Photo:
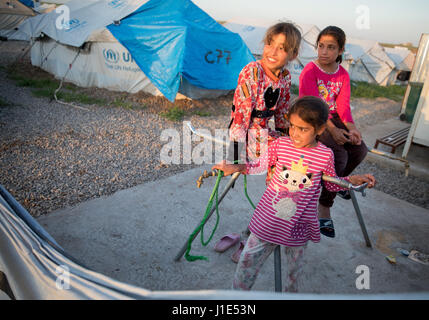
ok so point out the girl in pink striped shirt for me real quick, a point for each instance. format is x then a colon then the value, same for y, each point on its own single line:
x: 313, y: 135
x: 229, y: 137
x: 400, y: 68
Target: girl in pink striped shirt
x: 287, y: 212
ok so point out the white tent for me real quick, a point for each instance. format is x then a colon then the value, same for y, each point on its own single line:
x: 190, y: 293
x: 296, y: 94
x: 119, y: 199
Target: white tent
x: 12, y: 14
x: 404, y: 60
x: 253, y: 37
x: 91, y: 66
x: 154, y: 60
x: 367, y: 61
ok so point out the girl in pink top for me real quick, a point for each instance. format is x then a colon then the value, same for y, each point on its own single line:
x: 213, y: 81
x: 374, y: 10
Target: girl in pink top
x: 327, y: 79
x: 287, y: 212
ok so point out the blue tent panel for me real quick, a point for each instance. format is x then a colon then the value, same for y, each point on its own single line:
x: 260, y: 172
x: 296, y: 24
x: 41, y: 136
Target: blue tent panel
x: 28, y: 3
x: 173, y: 38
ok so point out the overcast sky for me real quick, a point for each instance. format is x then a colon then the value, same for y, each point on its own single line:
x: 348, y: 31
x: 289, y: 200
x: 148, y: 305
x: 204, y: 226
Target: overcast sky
x: 394, y: 21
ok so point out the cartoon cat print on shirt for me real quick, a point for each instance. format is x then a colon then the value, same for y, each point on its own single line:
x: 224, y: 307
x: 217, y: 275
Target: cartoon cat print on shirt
x: 292, y: 182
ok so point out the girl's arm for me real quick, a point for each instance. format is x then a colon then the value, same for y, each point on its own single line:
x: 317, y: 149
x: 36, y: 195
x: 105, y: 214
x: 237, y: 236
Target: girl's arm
x: 229, y: 168
x: 259, y: 166
x: 308, y: 83
x: 244, y: 103
x: 339, y: 135
x: 343, y: 100
x: 357, y: 179
x: 330, y: 171
x: 344, y: 111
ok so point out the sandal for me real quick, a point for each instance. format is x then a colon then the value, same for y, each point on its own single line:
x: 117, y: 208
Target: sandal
x: 236, y: 255
x: 327, y: 227
x: 227, y: 242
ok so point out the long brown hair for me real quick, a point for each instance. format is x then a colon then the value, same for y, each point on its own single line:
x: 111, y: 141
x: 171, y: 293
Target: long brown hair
x: 338, y: 34
x: 290, y: 31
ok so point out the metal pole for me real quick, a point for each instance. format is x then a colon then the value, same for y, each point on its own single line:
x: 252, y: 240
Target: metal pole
x: 277, y: 270
x: 352, y: 190
x: 360, y: 218
x: 225, y: 191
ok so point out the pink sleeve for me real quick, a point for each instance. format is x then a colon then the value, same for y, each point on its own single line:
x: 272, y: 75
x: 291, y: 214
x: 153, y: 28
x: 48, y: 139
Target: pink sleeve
x: 330, y: 171
x: 343, y: 101
x: 307, y: 82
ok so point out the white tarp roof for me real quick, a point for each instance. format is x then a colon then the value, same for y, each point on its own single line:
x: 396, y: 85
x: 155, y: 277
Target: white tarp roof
x: 366, y: 60
x: 366, y: 50
x: 85, y: 18
x: 403, y: 57
x: 253, y: 36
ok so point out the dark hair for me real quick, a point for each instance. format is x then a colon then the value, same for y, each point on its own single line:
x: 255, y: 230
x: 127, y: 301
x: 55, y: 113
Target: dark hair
x: 311, y: 109
x: 290, y: 31
x: 338, y: 34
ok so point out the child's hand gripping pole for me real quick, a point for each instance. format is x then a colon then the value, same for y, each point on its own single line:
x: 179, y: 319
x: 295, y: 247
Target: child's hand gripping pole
x: 352, y: 189
x: 345, y: 184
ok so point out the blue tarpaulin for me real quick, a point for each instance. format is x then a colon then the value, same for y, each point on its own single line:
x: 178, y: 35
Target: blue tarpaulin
x: 170, y: 39
x: 28, y: 3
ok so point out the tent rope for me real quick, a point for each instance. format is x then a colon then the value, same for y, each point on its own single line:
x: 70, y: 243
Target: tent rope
x: 49, y: 53
x: 61, y: 84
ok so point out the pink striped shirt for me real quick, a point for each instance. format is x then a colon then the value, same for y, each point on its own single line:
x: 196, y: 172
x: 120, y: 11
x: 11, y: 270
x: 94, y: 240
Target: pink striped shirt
x: 268, y: 221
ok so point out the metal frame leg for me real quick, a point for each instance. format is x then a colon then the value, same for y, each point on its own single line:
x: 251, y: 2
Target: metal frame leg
x: 360, y: 218
x: 277, y: 270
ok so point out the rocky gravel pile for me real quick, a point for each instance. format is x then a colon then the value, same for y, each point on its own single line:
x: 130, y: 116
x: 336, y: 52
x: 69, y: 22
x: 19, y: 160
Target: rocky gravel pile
x: 54, y: 155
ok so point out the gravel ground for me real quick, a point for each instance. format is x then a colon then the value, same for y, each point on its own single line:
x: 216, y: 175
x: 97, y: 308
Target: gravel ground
x: 54, y: 155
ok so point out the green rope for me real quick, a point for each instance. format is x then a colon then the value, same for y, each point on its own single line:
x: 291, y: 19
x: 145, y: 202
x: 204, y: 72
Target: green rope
x: 245, y: 192
x: 200, y: 227
x: 203, y: 221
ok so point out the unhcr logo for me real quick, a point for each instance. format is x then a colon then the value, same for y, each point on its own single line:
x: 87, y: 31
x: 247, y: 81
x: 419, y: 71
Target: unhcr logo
x: 110, y: 55
x: 71, y: 24
x: 116, y: 3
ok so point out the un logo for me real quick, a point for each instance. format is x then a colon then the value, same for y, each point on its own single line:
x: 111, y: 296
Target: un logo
x: 110, y: 55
